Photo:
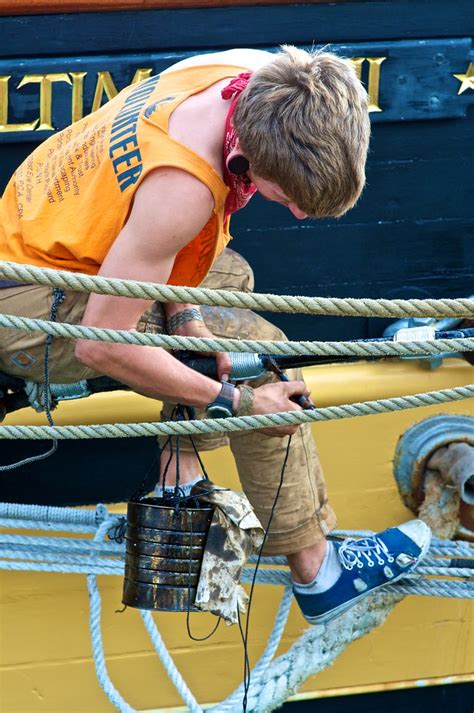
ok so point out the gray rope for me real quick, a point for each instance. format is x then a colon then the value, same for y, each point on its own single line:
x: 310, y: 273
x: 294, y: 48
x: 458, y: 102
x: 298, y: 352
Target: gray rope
x: 168, y: 663
x: 242, y: 423
x: 95, y: 556
x: 61, y: 567
x: 55, y: 519
x: 96, y: 636
x: 314, y: 651
x: 80, y: 282
x: 37, y: 525
x: 412, y: 582
x: 43, y: 562
x: 49, y: 544
x: 435, y: 588
x: 167, y: 341
x: 53, y: 554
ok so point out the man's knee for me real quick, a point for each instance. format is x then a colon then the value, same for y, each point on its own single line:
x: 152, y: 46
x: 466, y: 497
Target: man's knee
x: 230, y: 271
x: 23, y: 354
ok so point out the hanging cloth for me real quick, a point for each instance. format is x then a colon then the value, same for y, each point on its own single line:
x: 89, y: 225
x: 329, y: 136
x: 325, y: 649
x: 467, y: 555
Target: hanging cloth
x: 235, y: 533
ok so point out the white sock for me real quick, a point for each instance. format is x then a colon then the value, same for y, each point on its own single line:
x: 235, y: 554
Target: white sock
x: 327, y: 575
x: 185, y: 488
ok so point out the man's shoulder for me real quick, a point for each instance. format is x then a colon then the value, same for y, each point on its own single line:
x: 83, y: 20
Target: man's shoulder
x: 176, y: 197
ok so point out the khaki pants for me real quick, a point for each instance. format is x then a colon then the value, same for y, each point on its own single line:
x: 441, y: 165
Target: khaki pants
x: 302, y: 516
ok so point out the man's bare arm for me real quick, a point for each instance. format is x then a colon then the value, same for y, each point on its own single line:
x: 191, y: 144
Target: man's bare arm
x: 169, y: 210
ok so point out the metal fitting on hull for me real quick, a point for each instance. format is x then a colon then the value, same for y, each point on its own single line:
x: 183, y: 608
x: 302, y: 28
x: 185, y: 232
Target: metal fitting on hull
x: 434, y: 470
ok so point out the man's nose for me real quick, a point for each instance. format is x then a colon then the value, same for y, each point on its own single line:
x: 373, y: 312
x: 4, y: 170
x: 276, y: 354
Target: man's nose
x: 297, y: 212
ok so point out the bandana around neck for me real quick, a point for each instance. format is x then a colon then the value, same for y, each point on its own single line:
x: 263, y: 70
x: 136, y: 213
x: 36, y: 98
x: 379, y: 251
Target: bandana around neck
x: 241, y: 188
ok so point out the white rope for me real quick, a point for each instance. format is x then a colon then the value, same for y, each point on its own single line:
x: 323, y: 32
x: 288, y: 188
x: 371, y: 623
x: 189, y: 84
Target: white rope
x: 360, y: 349
x: 79, y: 282
x: 168, y: 663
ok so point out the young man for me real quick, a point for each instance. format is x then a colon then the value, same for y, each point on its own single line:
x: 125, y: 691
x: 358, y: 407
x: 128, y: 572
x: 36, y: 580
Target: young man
x: 143, y: 189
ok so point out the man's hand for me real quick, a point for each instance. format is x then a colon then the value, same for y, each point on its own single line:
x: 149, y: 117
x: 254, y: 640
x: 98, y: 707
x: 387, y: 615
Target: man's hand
x: 273, y: 398
x: 270, y: 398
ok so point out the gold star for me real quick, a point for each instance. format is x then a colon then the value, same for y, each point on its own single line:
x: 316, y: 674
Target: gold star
x: 467, y: 80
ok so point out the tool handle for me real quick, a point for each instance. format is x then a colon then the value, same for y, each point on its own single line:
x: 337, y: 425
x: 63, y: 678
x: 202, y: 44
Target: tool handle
x: 302, y: 401
x: 203, y: 364
x: 244, y: 366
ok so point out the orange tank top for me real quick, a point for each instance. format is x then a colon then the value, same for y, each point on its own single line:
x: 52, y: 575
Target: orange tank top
x: 66, y: 204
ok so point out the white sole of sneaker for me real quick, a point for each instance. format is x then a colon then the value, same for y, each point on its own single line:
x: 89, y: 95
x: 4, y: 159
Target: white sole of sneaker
x: 334, y: 613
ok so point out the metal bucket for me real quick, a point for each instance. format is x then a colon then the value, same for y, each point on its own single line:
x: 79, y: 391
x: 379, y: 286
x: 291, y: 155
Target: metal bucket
x: 164, y: 549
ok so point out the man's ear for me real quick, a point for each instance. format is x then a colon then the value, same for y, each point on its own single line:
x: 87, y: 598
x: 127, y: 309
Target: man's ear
x: 237, y: 164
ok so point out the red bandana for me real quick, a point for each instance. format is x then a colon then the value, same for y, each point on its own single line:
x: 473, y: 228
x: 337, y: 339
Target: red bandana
x: 241, y: 188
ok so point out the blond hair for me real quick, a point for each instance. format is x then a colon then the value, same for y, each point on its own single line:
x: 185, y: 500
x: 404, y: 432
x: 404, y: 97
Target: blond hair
x: 303, y: 124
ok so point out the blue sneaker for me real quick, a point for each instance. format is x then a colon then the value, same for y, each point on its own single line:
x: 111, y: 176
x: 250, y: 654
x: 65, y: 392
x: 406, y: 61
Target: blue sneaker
x: 368, y: 564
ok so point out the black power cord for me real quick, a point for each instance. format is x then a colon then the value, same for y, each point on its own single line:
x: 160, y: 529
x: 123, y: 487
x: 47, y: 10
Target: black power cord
x: 245, y: 633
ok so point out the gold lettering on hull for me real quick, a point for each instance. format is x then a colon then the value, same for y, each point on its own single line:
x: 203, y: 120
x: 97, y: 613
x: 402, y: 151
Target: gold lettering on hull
x: 4, y: 125
x: 105, y: 85
x: 373, y: 80
x: 373, y: 84
x: 105, y: 88
x: 141, y: 74
x: 46, y: 95
x: 77, y: 103
x: 357, y: 63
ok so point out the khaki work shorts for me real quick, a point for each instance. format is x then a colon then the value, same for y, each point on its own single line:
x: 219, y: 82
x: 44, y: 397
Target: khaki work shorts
x: 302, y: 516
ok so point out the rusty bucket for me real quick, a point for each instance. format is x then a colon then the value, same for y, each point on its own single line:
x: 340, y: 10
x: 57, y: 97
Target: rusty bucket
x: 164, y: 550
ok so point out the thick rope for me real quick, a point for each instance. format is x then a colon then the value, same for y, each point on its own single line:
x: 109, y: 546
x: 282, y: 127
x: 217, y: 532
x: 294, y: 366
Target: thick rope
x: 168, y: 663
x: 98, y: 556
x: 411, y: 584
x: 51, y: 544
x: 418, y: 584
x: 167, y: 341
x: 243, y: 423
x: 56, y: 555
x: 56, y: 518
x: 98, y: 650
x: 314, y: 651
x: 436, y: 588
x: 80, y: 282
x: 272, y: 680
x: 96, y: 636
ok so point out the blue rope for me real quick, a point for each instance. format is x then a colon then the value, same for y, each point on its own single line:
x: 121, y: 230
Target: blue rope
x: 96, y: 636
